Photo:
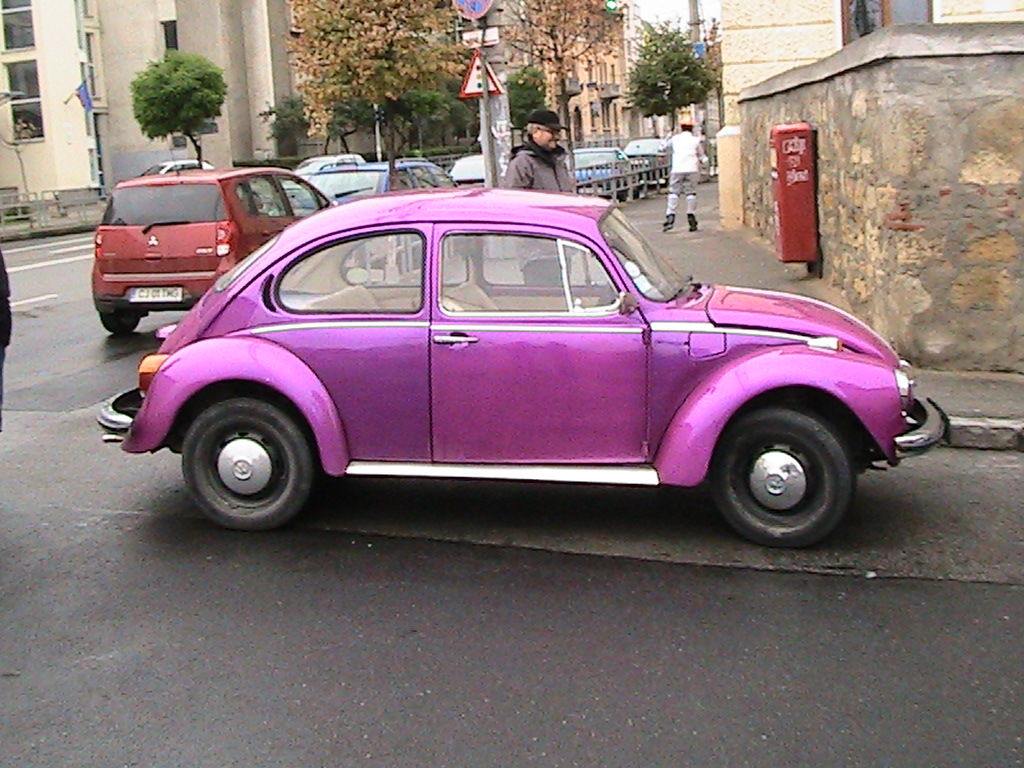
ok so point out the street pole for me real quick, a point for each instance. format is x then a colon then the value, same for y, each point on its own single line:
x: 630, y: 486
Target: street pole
x: 694, y: 21
x: 495, y: 128
x: 491, y: 177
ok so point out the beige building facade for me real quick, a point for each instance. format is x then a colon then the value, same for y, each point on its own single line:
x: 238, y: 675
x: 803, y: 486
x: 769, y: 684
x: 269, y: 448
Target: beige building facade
x: 763, y: 38
x: 49, y: 141
x: 47, y: 137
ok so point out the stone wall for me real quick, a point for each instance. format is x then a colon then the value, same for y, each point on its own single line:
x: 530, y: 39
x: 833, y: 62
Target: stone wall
x: 920, y: 133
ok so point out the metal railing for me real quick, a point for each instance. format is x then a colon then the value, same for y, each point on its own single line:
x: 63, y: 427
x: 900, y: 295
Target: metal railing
x: 634, y: 181
x: 27, y: 211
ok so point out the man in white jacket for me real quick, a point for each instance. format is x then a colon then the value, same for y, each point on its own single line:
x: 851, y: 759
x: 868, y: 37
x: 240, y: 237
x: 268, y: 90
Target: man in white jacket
x: 687, y: 155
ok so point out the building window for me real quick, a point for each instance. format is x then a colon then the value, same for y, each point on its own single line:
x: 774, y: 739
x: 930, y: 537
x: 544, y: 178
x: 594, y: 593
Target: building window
x: 89, y: 67
x: 862, y: 17
x: 18, y: 24
x: 170, y: 35
x: 26, y: 111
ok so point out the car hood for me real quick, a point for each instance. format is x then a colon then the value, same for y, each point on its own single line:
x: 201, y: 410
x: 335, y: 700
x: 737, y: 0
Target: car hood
x: 771, y: 310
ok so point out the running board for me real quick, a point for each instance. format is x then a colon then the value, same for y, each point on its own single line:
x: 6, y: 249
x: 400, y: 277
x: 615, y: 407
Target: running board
x: 637, y: 474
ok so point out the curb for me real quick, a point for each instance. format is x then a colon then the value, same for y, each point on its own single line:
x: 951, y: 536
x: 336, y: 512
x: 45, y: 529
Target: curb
x: 36, y: 234
x: 986, y: 434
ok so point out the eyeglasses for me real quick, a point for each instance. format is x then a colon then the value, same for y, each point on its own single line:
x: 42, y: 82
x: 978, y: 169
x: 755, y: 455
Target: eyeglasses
x: 552, y: 131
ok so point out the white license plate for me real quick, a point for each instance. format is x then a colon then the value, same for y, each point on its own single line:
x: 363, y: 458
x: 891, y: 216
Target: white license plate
x: 155, y: 294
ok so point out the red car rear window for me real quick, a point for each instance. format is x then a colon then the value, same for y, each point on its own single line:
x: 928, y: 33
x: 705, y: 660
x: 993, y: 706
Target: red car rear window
x: 164, y: 204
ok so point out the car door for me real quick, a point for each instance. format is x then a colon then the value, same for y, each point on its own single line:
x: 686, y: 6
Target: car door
x: 265, y: 209
x: 352, y: 309
x: 531, y: 361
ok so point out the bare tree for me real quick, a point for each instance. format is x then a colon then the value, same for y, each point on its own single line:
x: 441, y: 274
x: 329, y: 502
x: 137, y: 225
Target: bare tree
x: 558, y: 35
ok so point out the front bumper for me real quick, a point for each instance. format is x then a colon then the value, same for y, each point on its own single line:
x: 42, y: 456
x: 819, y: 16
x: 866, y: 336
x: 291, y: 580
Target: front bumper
x: 928, y: 425
x: 117, y: 414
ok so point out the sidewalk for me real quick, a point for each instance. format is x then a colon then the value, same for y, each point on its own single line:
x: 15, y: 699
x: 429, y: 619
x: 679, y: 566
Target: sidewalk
x: 986, y: 410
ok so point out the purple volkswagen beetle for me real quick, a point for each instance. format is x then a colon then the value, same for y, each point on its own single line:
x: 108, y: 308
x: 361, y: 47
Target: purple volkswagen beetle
x: 500, y: 334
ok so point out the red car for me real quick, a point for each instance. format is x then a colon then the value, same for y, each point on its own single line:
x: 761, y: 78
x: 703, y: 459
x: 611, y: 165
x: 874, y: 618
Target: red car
x: 164, y: 240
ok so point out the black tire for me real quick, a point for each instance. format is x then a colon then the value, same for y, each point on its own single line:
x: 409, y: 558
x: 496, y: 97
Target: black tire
x: 120, y: 322
x: 757, y: 487
x: 257, y: 442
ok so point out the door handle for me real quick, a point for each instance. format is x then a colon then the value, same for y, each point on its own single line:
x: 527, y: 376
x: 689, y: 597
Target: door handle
x: 456, y: 338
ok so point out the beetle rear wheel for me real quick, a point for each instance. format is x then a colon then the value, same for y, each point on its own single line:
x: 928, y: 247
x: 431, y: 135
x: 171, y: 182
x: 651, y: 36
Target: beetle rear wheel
x: 782, y: 478
x: 248, y: 464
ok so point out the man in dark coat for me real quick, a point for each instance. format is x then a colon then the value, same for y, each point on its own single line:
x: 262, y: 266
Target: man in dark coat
x: 540, y: 162
x: 5, y: 326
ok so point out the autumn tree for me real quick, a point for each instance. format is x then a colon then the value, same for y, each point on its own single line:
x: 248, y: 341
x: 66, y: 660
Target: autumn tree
x: 372, y: 52
x: 181, y: 93
x: 527, y: 91
x: 668, y: 75
x: 557, y: 35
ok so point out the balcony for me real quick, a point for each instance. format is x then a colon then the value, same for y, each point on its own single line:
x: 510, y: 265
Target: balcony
x: 609, y: 90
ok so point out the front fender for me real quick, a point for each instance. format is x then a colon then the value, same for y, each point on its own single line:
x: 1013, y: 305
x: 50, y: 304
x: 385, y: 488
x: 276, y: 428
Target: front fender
x: 865, y: 384
x: 243, y: 358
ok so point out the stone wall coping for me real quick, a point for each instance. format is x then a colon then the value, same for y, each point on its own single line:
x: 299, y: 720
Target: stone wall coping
x: 905, y: 41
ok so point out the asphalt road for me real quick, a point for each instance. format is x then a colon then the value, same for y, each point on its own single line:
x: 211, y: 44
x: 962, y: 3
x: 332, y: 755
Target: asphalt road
x: 445, y: 624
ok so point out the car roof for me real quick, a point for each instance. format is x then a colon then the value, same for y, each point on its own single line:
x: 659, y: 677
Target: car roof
x: 584, y: 150
x: 459, y: 204
x: 374, y: 166
x: 202, y: 176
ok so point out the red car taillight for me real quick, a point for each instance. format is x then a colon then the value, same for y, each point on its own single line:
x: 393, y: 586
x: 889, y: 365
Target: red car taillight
x: 227, y: 238
x: 98, y: 245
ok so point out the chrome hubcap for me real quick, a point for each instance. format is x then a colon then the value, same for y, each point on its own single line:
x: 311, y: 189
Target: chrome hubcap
x: 244, y: 466
x: 778, y: 480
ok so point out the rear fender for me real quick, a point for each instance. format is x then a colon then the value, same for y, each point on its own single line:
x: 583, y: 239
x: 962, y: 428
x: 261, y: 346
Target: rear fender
x: 866, y: 385
x: 192, y: 369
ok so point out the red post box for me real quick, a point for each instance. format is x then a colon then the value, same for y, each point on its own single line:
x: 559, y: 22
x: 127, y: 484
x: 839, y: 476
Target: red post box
x: 794, y: 178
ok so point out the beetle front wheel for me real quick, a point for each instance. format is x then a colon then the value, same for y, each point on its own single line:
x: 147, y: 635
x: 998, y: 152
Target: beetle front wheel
x: 782, y: 478
x: 248, y: 464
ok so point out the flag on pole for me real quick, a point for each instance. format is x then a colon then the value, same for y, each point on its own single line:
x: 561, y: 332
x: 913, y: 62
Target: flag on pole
x: 82, y: 92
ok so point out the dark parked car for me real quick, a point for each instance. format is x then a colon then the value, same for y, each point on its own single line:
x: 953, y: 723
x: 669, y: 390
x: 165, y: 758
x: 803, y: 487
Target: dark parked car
x: 341, y: 183
x: 165, y: 238
x: 648, y: 147
x: 515, y: 335
x: 647, y: 155
x: 612, y: 169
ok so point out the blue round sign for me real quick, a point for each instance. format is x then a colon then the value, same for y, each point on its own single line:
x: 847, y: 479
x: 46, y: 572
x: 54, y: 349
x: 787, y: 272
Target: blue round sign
x: 473, y: 9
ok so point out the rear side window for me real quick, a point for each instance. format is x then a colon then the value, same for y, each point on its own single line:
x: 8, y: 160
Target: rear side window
x: 164, y: 204
x: 261, y: 198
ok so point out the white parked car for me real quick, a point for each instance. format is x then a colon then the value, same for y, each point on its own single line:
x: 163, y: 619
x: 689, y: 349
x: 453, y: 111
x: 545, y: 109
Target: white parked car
x: 468, y: 170
x: 318, y: 163
x: 176, y: 166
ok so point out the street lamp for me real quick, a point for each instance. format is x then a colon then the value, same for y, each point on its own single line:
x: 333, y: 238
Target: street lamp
x: 6, y: 96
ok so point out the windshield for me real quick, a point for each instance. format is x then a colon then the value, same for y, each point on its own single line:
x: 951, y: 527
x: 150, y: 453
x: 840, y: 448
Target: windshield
x: 652, y: 275
x: 593, y: 159
x: 349, y: 183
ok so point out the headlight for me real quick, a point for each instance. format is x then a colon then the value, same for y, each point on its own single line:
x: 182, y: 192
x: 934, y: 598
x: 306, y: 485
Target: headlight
x: 905, y: 385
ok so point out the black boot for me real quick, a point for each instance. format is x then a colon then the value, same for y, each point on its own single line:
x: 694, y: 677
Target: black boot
x: 670, y: 221
x: 693, y: 221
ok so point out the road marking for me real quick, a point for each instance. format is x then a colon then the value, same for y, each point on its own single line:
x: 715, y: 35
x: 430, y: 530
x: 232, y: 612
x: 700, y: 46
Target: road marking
x: 51, y: 263
x: 71, y: 248
x: 36, y: 300
x: 22, y: 249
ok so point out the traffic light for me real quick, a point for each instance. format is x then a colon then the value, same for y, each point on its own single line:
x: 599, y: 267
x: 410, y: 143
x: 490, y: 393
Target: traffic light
x: 613, y: 6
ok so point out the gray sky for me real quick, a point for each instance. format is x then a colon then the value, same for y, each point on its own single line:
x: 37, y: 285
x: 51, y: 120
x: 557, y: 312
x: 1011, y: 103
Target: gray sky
x: 677, y: 10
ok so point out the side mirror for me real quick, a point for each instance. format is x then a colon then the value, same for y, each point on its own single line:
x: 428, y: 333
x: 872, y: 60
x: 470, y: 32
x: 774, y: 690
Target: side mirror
x: 628, y: 303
